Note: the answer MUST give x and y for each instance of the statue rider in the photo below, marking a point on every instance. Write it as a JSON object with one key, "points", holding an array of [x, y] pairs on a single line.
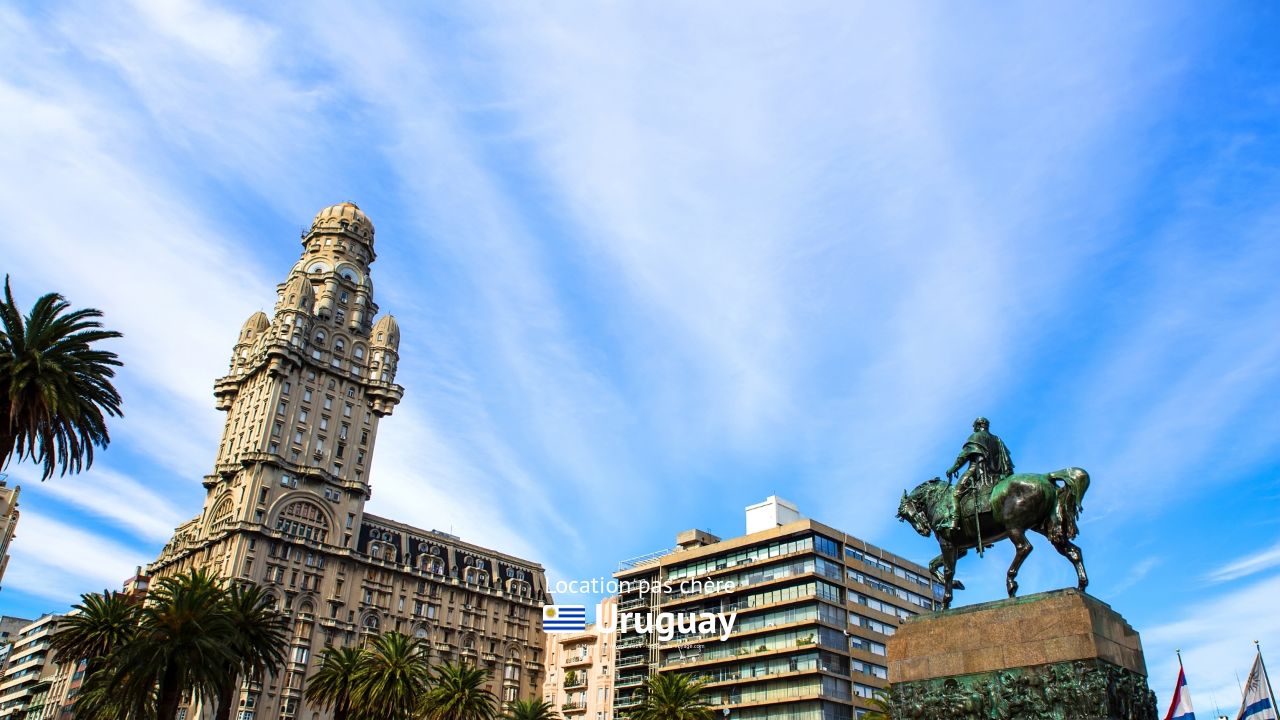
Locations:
{"points": [[988, 461]]}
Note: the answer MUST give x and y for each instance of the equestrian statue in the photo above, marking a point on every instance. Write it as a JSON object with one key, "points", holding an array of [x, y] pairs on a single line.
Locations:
{"points": [[991, 503]]}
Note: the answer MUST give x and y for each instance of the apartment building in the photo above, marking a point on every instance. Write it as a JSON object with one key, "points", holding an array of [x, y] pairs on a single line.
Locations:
{"points": [[30, 665], [814, 607], [580, 679]]}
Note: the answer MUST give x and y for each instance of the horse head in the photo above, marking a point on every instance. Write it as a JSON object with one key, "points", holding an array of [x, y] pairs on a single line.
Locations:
{"points": [[910, 511]]}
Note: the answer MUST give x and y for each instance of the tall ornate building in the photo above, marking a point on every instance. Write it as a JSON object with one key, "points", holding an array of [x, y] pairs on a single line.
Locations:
{"points": [[284, 508]]}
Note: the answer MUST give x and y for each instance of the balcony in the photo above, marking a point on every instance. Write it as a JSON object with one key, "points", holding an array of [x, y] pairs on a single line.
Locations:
{"points": [[632, 661], [573, 708], [629, 701], [575, 683], [631, 642], [576, 662], [633, 603], [630, 680]]}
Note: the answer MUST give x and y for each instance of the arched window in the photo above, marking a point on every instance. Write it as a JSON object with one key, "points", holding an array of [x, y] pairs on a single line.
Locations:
{"points": [[320, 337], [358, 351], [221, 515], [303, 519], [339, 346], [431, 564]]}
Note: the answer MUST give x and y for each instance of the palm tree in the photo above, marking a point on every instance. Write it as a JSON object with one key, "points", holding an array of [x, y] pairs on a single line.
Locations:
{"points": [[673, 696], [54, 386], [531, 709], [392, 678], [98, 626], [258, 639], [182, 645], [458, 693], [882, 704], [333, 685]]}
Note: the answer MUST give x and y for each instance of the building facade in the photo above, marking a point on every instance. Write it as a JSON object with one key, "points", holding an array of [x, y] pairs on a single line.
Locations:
{"points": [[814, 607], [579, 680], [30, 667], [306, 391], [8, 520]]}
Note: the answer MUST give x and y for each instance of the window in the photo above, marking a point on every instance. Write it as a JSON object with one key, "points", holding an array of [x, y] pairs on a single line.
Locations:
{"points": [[303, 519], [284, 389], [324, 422], [288, 481], [306, 395], [280, 408], [338, 345], [302, 415], [297, 436], [276, 429], [346, 410], [300, 654], [328, 402]]}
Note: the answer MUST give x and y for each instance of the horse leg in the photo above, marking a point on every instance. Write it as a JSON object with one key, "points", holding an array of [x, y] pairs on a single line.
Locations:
{"points": [[1022, 550], [935, 569], [948, 573], [1069, 551]]}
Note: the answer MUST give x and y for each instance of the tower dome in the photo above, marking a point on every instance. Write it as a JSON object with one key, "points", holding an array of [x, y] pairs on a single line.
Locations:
{"points": [[386, 333], [344, 216], [298, 294], [252, 327]]}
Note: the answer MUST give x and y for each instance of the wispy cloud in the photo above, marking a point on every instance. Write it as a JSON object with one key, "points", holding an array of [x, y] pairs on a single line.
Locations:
{"points": [[1260, 561], [59, 561]]}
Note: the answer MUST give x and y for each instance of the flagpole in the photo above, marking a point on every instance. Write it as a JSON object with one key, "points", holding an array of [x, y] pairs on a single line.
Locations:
{"points": [[1265, 677]]}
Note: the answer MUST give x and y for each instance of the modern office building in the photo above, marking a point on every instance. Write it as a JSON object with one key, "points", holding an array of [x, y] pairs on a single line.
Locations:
{"points": [[30, 664], [8, 520], [814, 607], [285, 504], [580, 670]]}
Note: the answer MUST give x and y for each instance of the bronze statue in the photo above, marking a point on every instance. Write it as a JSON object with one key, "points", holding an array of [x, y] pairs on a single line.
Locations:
{"points": [[989, 462], [987, 506]]}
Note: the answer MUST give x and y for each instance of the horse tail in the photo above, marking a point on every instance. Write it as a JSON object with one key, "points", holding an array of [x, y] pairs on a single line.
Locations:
{"points": [[1070, 504]]}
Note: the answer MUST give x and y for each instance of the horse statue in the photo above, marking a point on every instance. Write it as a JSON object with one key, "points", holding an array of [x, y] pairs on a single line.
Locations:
{"points": [[1022, 502]]}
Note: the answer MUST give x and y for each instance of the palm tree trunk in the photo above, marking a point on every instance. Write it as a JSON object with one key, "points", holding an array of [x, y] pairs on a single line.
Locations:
{"points": [[170, 694], [226, 693], [341, 710]]}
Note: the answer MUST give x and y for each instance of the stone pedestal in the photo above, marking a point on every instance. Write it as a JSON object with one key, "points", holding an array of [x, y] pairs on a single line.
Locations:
{"points": [[1059, 655]]}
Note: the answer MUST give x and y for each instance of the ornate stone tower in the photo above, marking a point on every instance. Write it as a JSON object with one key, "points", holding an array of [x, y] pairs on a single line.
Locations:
{"points": [[307, 388], [284, 506]]}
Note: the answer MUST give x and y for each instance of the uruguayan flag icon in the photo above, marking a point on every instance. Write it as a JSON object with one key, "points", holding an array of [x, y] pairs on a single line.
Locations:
{"points": [[564, 618]]}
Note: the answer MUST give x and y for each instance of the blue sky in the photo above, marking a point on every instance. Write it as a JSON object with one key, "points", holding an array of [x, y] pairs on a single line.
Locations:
{"points": [[656, 261]]}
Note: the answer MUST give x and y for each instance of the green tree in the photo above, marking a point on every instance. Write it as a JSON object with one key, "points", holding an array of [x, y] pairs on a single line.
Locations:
{"points": [[673, 696], [458, 693], [97, 626], [55, 385], [257, 641], [882, 707], [392, 677], [182, 645], [333, 686], [531, 709]]}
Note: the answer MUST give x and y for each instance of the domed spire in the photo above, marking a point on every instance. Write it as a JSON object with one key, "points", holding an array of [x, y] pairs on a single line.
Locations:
{"points": [[298, 294], [386, 333], [254, 326], [346, 216]]}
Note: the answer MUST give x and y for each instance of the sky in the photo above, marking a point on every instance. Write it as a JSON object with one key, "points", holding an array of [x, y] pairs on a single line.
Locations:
{"points": [[656, 261]]}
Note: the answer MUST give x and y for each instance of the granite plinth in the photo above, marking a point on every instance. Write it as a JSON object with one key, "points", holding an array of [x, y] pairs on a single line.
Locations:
{"points": [[1059, 655]]}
